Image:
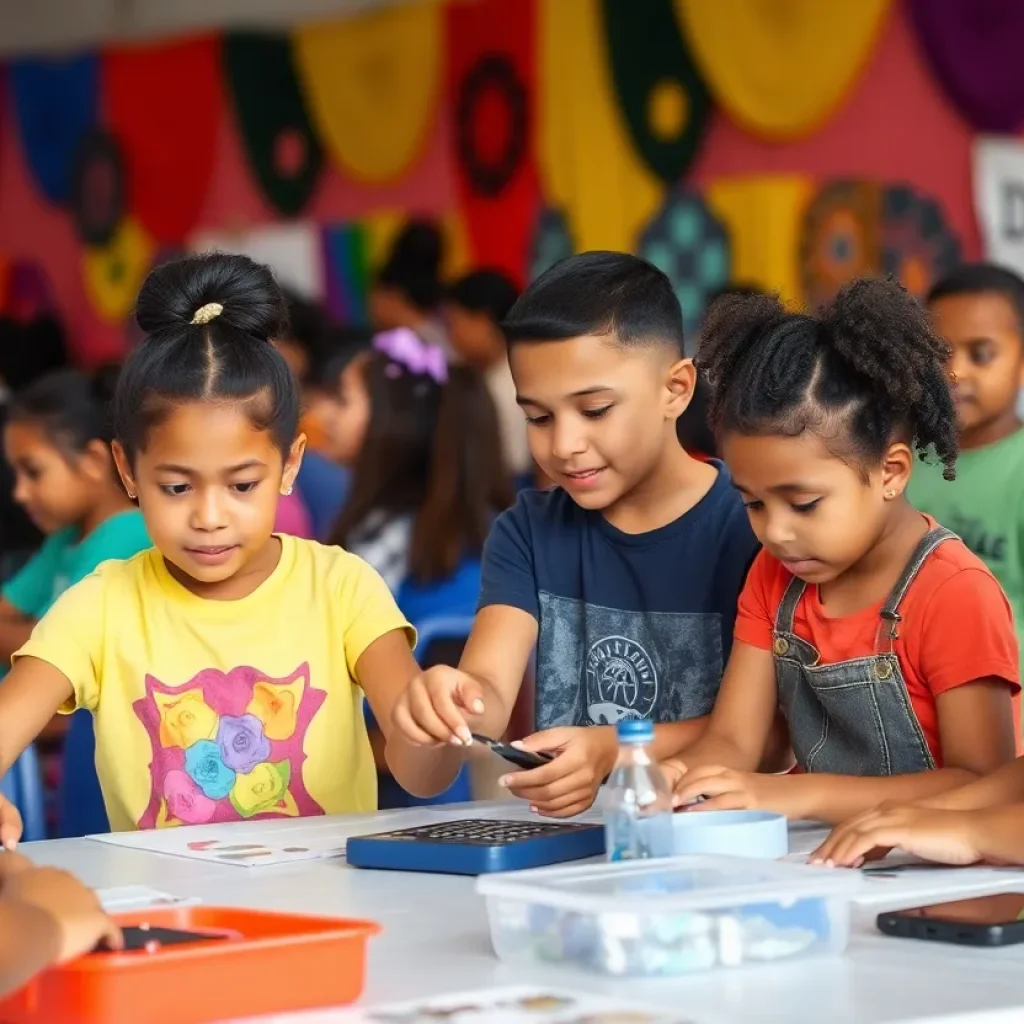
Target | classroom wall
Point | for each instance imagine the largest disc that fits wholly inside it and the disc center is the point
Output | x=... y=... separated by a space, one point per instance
x=895 y=126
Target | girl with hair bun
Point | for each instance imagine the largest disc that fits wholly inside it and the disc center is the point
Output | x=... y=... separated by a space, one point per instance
x=887 y=647
x=225 y=667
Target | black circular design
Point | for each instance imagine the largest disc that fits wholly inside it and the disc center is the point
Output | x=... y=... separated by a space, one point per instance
x=493 y=72
x=97 y=187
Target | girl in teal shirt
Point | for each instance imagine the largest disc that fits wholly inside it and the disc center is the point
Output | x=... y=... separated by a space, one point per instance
x=57 y=441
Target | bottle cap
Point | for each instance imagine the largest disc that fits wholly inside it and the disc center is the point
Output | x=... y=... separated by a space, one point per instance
x=636 y=730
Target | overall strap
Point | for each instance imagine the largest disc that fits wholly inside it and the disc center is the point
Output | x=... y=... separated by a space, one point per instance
x=787 y=606
x=891 y=609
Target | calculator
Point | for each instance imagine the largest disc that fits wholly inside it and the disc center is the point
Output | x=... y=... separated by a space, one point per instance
x=476 y=846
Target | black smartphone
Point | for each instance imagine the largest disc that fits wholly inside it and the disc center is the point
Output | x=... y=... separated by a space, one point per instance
x=996 y=920
x=524 y=759
x=137 y=938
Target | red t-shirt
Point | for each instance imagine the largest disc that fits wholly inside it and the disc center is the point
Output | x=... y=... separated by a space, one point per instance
x=957 y=627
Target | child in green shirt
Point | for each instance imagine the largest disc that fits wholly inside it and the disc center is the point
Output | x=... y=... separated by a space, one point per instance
x=979 y=312
x=57 y=441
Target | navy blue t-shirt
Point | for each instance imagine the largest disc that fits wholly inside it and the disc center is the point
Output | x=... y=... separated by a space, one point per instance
x=631 y=625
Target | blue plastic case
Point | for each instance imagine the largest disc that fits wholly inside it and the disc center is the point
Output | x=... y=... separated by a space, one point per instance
x=476 y=846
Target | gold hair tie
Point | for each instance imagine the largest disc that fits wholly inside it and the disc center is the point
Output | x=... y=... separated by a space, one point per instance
x=204 y=314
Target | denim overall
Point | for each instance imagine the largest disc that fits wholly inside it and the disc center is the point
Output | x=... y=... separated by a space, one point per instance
x=853 y=717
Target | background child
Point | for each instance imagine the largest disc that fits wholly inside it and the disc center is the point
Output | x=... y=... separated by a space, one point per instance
x=57 y=442
x=427 y=479
x=888 y=646
x=625 y=576
x=421 y=441
x=225 y=668
x=47 y=917
x=407 y=290
x=474 y=308
x=27 y=352
x=978 y=310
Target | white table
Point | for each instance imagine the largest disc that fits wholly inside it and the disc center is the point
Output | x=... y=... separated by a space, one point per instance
x=436 y=940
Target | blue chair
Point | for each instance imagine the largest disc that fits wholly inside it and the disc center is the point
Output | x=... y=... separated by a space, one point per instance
x=390 y=794
x=80 y=808
x=23 y=786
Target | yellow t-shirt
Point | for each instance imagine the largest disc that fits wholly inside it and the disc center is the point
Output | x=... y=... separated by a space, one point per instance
x=210 y=711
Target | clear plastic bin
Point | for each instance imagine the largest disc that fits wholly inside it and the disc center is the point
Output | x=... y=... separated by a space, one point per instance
x=668 y=917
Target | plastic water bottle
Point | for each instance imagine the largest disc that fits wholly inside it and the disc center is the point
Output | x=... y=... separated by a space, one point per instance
x=638 y=801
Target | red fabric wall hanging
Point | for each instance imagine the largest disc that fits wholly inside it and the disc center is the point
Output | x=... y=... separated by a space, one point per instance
x=163 y=103
x=490 y=94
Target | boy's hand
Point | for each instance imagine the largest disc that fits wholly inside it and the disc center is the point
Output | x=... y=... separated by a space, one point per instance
x=76 y=910
x=948 y=837
x=569 y=784
x=10 y=824
x=725 y=789
x=433 y=707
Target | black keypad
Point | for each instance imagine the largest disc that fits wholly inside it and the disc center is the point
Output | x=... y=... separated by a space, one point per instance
x=480 y=832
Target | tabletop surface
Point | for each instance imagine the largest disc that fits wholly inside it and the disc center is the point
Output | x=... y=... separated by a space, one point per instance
x=436 y=939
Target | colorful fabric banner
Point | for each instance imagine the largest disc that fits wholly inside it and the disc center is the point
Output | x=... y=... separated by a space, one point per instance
x=780 y=70
x=98 y=187
x=973 y=48
x=589 y=167
x=113 y=273
x=661 y=93
x=56 y=101
x=28 y=291
x=688 y=242
x=372 y=83
x=163 y=103
x=918 y=246
x=490 y=95
x=999 y=199
x=551 y=243
x=346 y=272
x=763 y=216
x=841 y=238
x=283 y=149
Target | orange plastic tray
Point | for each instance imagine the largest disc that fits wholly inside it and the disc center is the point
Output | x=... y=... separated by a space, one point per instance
x=279 y=962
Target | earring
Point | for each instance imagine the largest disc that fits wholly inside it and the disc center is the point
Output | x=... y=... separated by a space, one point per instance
x=890 y=494
x=286 y=491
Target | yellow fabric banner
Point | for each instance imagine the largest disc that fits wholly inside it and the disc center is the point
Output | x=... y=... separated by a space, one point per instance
x=764 y=217
x=781 y=67
x=372 y=84
x=589 y=167
x=113 y=273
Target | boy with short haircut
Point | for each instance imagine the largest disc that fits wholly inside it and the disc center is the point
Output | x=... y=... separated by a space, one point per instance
x=625 y=576
x=979 y=312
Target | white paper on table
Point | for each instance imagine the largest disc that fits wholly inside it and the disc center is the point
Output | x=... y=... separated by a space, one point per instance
x=520 y=1005
x=267 y=843
x=292 y=251
x=124 y=898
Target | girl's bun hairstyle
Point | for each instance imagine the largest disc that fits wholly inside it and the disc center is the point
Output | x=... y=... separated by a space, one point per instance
x=209 y=320
x=869 y=362
x=251 y=301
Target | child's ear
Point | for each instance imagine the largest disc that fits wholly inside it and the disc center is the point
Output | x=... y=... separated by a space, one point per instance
x=124 y=470
x=292 y=464
x=682 y=379
x=897 y=464
x=94 y=461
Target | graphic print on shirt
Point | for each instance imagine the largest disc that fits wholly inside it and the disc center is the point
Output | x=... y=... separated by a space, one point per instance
x=621 y=682
x=228 y=746
x=599 y=666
